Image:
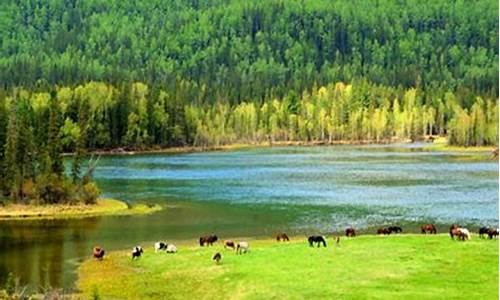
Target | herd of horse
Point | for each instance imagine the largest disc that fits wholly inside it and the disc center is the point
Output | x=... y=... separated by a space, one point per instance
x=241 y=247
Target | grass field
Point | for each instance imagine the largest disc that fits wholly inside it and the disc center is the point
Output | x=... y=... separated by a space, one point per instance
x=103 y=207
x=366 y=267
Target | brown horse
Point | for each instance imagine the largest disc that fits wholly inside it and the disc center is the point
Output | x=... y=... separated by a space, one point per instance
x=454 y=231
x=98 y=253
x=492 y=232
x=229 y=244
x=282 y=237
x=384 y=231
x=209 y=240
x=428 y=228
x=350 y=232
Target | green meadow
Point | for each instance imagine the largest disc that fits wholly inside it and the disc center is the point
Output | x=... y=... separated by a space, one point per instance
x=408 y=266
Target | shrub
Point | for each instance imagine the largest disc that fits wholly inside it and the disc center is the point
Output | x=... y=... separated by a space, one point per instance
x=89 y=193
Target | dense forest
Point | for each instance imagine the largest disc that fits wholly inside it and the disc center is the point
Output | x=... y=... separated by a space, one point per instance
x=101 y=74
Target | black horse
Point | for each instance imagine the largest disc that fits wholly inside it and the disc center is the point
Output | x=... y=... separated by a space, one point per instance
x=318 y=239
x=482 y=231
x=395 y=229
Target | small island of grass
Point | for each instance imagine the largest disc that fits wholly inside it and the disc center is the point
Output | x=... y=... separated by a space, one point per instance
x=102 y=207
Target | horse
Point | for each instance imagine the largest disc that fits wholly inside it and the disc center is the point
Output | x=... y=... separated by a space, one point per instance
x=492 y=232
x=228 y=244
x=462 y=233
x=160 y=246
x=209 y=240
x=217 y=257
x=395 y=229
x=137 y=252
x=282 y=237
x=171 y=248
x=317 y=239
x=454 y=231
x=337 y=239
x=350 y=232
x=482 y=231
x=242 y=247
x=384 y=231
x=428 y=228
x=98 y=253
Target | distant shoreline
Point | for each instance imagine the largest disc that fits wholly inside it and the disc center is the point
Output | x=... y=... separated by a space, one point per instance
x=439 y=144
x=103 y=207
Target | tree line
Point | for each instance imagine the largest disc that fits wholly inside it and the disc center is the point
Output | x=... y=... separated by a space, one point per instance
x=240 y=50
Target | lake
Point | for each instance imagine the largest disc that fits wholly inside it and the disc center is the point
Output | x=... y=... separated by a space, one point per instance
x=257 y=193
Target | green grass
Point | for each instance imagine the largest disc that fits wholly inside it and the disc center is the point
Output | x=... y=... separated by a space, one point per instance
x=366 y=267
x=103 y=207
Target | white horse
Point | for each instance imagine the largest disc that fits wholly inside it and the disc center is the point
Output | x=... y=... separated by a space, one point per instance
x=242 y=247
x=171 y=248
x=465 y=232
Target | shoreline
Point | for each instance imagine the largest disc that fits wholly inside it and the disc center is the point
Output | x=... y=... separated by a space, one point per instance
x=103 y=207
x=439 y=144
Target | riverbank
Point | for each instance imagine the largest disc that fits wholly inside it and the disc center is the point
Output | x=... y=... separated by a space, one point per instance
x=434 y=144
x=406 y=266
x=103 y=207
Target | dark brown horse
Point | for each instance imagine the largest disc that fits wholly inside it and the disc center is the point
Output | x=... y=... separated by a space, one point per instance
x=395 y=229
x=217 y=257
x=98 y=253
x=428 y=228
x=282 y=237
x=350 y=232
x=492 y=232
x=318 y=239
x=209 y=240
x=384 y=231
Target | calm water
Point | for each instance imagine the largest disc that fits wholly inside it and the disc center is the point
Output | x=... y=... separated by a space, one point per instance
x=258 y=192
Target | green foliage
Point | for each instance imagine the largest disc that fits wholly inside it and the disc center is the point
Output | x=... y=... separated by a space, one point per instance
x=241 y=50
x=88 y=193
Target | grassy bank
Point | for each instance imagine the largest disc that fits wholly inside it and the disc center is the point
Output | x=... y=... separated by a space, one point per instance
x=374 y=267
x=103 y=207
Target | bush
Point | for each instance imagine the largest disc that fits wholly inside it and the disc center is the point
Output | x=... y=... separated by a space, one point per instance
x=51 y=189
x=89 y=193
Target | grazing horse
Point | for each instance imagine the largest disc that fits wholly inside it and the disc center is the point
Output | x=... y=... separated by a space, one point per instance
x=350 y=232
x=462 y=233
x=482 y=231
x=160 y=246
x=137 y=252
x=395 y=229
x=454 y=231
x=384 y=231
x=318 y=239
x=209 y=240
x=428 y=228
x=171 y=248
x=492 y=232
x=229 y=244
x=282 y=237
x=242 y=247
x=217 y=257
x=98 y=253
